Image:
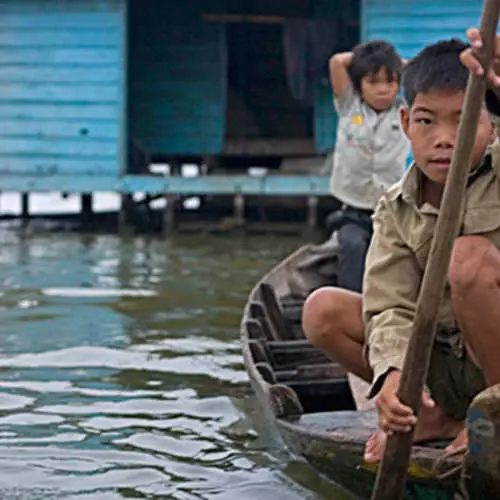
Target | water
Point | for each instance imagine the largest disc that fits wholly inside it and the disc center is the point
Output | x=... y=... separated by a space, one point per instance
x=121 y=373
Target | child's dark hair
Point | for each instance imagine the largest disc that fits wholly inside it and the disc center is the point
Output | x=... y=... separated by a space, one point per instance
x=370 y=58
x=436 y=67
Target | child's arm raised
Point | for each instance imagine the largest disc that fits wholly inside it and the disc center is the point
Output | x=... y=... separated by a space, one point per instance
x=339 y=75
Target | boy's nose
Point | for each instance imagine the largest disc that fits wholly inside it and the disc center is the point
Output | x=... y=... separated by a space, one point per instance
x=444 y=143
x=445 y=139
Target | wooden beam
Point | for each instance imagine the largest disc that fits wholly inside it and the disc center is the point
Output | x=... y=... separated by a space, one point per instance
x=255 y=19
x=269 y=147
x=243 y=18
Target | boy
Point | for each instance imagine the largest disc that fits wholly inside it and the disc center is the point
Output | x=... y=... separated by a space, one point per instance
x=371 y=148
x=467 y=347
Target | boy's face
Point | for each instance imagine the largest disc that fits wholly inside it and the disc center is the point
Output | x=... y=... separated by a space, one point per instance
x=431 y=124
x=377 y=91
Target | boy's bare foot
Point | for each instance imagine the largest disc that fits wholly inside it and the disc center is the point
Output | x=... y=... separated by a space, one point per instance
x=459 y=443
x=374 y=448
x=433 y=424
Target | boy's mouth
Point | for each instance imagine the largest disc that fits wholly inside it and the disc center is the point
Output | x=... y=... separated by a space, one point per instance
x=440 y=162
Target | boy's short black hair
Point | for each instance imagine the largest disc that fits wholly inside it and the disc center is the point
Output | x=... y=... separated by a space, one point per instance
x=436 y=67
x=370 y=58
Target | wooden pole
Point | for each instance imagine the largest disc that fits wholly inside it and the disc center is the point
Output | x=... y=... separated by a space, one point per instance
x=391 y=477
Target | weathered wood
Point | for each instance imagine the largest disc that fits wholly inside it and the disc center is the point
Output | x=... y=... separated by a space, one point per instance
x=254 y=19
x=171 y=199
x=86 y=209
x=483 y=425
x=325 y=371
x=258 y=311
x=269 y=147
x=259 y=328
x=25 y=210
x=127 y=208
x=266 y=372
x=391 y=477
x=312 y=212
x=274 y=312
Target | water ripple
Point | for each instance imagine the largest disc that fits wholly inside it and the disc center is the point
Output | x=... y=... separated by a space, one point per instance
x=122 y=375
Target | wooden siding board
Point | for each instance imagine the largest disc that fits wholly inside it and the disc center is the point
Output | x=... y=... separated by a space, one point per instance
x=412 y=24
x=61 y=86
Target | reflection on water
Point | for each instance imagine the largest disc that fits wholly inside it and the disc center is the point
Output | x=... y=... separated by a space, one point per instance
x=121 y=372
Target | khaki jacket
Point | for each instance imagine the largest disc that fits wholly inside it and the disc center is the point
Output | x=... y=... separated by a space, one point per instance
x=403 y=231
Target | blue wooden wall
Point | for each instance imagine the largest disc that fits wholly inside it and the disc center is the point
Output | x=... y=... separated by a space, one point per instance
x=412 y=24
x=177 y=93
x=61 y=87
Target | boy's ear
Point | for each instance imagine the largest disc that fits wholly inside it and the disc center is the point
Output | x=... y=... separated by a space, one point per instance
x=405 y=119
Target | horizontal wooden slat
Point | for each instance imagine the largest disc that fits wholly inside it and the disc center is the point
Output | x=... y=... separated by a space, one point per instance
x=58 y=128
x=61 y=86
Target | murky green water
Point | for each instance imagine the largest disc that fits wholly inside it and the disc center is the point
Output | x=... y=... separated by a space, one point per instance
x=121 y=374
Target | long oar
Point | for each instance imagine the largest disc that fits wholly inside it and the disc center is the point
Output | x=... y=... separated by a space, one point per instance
x=391 y=477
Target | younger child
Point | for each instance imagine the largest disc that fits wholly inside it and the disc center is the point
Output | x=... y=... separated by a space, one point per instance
x=369 y=334
x=371 y=150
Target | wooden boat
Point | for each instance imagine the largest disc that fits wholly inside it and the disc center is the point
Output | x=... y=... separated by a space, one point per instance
x=308 y=402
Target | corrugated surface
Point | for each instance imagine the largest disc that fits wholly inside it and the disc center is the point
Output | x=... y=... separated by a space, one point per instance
x=178 y=81
x=60 y=86
x=412 y=24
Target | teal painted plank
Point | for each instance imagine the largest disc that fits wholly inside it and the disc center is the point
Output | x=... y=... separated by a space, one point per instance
x=61 y=93
x=38 y=37
x=87 y=146
x=37 y=165
x=222 y=185
x=55 y=128
x=61 y=86
x=60 y=74
x=158 y=111
x=58 y=55
x=325 y=119
x=27 y=110
x=412 y=24
x=66 y=20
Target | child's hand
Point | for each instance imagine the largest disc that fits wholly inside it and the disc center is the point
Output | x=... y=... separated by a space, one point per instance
x=470 y=61
x=394 y=416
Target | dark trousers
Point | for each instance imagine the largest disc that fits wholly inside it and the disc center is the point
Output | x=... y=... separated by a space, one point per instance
x=354 y=234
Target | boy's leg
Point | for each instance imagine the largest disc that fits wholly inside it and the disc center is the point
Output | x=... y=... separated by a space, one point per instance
x=354 y=240
x=474 y=277
x=475 y=290
x=332 y=320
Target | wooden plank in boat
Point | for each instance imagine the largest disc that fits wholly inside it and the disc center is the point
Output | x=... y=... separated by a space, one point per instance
x=274 y=312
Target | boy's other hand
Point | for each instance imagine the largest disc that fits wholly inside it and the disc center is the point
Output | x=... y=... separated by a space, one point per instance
x=471 y=62
x=394 y=416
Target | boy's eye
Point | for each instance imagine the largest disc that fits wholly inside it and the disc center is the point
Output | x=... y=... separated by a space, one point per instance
x=423 y=121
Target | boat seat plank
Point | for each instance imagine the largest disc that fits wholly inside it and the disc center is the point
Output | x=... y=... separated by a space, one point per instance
x=274 y=313
x=357 y=424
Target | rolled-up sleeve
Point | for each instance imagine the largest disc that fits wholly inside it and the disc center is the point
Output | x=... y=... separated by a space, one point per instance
x=390 y=289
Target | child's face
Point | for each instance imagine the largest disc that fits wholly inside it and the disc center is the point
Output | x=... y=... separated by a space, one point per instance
x=377 y=91
x=431 y=125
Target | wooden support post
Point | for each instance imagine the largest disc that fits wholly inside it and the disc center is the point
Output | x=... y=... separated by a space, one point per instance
x=169 y=220
x=126 y=211
x=25 y=209
x=86 y=209
x=239 y=210
x=312 y=212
